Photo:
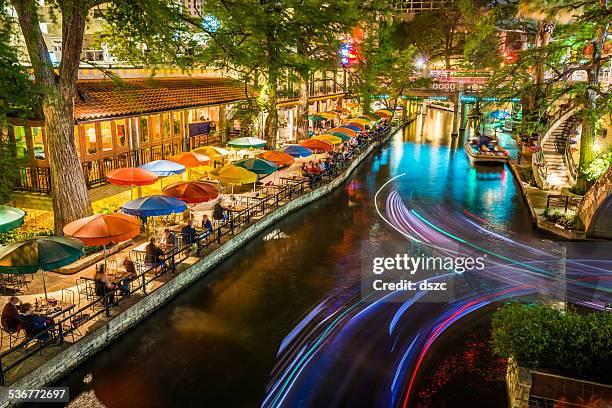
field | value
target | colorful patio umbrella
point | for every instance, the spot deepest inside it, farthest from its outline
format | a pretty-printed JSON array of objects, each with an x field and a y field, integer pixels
[
  {"x": 164, "y": 168},
  {"x": 277, "y": 157},
  {"x": 500, "y": 114},
  {"x": 327, "y": 115},
  {"x": 385, "y": 113},
  {"x": 335, "y": 140},
  {"x": 317, "y": 145},
  {"x": 354, "y": 125},
  {"x": 361, "y": 121},
  {"x": 247, "y": 142},
  {"x": 343, "y": 136},
  {"x": 131, "y": 176},
  {"x": 154, "y": 205},
  {"x": 44, "y": 254},
  {"x": 316, "y": 118},
  {"x": 190, "y": 159},
  {"x": 214, "y": 152},
  {"x": 10, "y": 218},
  {"x": 297, "y": 151},
  {"x": 192, "y": 192},
  {"x": 257, "y": 166},
  {"x": 104, "y": 229},
  {"x": 236, "y": 175},
  {"x": 343, "y": 130}
]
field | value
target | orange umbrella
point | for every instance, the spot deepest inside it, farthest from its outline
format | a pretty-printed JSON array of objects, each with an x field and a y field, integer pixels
[
  {"x": 279, "y": 158},
  {"x": 190, "y": 159},
  {"x": 103, "y": 229},
  {"x": 346, "y": 131},
  {"x": 317, "y": 145},
  {"x": 131, "y": 176},
  {"x": 192, "y": 191}
]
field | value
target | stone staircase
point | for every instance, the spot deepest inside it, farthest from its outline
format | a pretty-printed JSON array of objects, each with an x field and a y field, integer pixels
[{"x": 553, "y": 149}]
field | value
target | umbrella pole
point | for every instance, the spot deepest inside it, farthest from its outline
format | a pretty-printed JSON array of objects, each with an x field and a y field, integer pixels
[
  {"x": 44, "y": 283},
  {"x": 104, "y": 255}
]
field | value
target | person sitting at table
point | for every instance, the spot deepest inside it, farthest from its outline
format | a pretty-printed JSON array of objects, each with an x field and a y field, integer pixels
[
  {"x": 207, "y": 225},
  {"x": 11, "y": 321},
  {"x": 169, "y": 239},
  {"x": 189, "y": 233},
  {"x": 154, "y": 255},
  {"x": 218, "y": 212},
  {"x": 104, "y": 287},
  {"x": 130, "y": 269},
  {"x": 35, "y": 325}
]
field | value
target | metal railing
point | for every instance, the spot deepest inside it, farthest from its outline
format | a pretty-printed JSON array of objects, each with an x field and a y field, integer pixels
[
  {"x": 565, "y": 201},
  {"x": 69, "y": 323}
]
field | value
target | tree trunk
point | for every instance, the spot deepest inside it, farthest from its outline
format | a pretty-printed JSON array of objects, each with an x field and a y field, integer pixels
[
  {"x": 367, "y": 101},
  {"x": 302, "y": 112},
  {"x": 68, "y": 189},
  {"x": 271, "y": 126}
]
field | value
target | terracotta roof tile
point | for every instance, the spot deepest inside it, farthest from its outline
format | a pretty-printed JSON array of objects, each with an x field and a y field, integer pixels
[{"x": 99, "y": 99}]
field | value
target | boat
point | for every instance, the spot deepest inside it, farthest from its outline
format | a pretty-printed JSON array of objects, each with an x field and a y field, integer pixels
[{"x": 476, "y": 155}]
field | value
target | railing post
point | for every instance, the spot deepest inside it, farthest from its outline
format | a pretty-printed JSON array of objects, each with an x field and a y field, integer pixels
[
  {"x": 144, "y": 284},
  {"x": 60, "y": 334}
]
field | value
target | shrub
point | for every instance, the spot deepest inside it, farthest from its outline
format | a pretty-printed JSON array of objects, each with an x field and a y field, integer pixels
[{"x": 539, "y": 336}]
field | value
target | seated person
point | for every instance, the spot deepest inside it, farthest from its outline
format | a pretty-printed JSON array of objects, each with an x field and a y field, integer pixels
[
  {"x": 154, "y": 255},
  {"x": 104, "y": 287},
  {"x": 34, "y": 325},
  {"x": 218, "y": 212},
  {"x": 207, "y": 225},
  {"x": 130, "y": 268},
  {"x": 169, "y": 239},
  {"x": 189, "y": 233},
  {"x": 11, "y": 321}
]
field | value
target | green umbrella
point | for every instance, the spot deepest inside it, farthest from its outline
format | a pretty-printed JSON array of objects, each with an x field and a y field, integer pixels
[
  {"x": 316, "y": 118},
  {"x": 10, "y": 218},
  {"x": 257, "y": 166},
  {"x": 341, "y": 135},
  {"x": 44, "y": 253},
  {"x": 246, "y": 142}
]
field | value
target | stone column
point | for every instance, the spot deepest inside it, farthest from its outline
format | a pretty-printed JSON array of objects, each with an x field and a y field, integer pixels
[{"x": 222, "y": 125}]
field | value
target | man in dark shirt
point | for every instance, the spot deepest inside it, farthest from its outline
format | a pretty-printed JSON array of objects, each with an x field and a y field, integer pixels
[
  {"x": 154, "y": 253},
  {"x": 189, "y": 233},
  {"x": 11, "y": 320}
]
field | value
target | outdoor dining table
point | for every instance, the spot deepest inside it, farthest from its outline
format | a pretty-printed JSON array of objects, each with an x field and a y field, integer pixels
[
  {"x": 115, "y": 277},
  {"x": 51, "y": 311}
]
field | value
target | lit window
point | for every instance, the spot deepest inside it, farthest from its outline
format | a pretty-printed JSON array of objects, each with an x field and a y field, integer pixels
[
  {"x": 121, "y": 133},
  {"x": 107, "y": 136},
  {"x": 176, "y": 117},
  {"x": 21, "y": 146},
  {"x": 144, "y": 129},
  {"x": 91, "y": 144},
  {"x": 165, "y": 125},
  {"x": 38, "y": 143}
]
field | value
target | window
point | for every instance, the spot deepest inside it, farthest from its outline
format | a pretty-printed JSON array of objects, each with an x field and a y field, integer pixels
[
  {"x": 165, "y": 125},
  {"x": 38, "y": 143},
  {"x": 121, "y": 133},
  {"x": 154, "y": 125},
  {"x": 176, "y": 122},
  {"x": 21, "y": 146},
  {"x": 144, "y": 129},
  {"x": 106, "y": 135},
  {"x": 91, "y": 139}
]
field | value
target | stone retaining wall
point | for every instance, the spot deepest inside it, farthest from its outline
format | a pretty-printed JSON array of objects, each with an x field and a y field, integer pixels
[{"x": 60, "y": 364}]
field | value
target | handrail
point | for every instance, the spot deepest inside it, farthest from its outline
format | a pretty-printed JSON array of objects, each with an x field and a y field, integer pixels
[
  {"x": 65, "y": 326},
  {"x": 569, "y": 159}
]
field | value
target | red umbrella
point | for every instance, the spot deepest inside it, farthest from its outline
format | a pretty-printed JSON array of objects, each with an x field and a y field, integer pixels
[
  {"x": 279, "y": 158},
  {"x": 317, "y": 145},
  {"x": 131, "y": 176},
  {"x": 190, "y": 159},
  {"x": 103, "y": 229},
  {"x": 192, "y": 191}
]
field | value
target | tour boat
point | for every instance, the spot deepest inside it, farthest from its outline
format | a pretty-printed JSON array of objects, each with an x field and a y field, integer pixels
[{"x": 476, "y": 155}]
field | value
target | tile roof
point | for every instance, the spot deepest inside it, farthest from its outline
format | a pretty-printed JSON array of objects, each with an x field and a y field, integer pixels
[{"x": 104, "y": 98}]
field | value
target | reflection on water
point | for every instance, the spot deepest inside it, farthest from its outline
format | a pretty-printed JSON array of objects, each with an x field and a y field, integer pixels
[{"x": 217, "y": 343}]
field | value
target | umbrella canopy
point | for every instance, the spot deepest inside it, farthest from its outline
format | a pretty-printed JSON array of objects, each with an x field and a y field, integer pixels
[
  {"x": 154, "y": 205},
  {"x": 316, "y": 118},
  {"x": 236, "y": 175},
  {"x": 214, "y": 152},
  {"x": 131, "y": 176},
  {"x": 103, "y": 229},
  {"x": 277, "y": 157},
  {"x": 317, "y": 145},
  {"x": 257, "y": 166},
  {"x": 361, "y": 121},
  {"x": 356, "y": 126},
  {"x": 163, "y": 168},
  {"x": 343, "y": 136},
  {"x": 46, "y": 253},
  {"x": 297, "y": 151},
  {"x": 384, "y": 113},
  {"x": 345, "y": 131},
  {"x": 10, "y": 218},
  {"x": 335, "y": 140},
  {"x": 327, "y": 115},
  {"x": 190, "y": 159},
  {"x": 192, "y": 191},
  {"x": 500, "y": 114},
  {"x": 247, "y": 142}
]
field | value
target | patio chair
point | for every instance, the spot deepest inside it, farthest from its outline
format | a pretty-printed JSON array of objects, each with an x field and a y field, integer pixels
[
  {"x": 13, "y": 336},
  {"x": 74, "y": 324}
]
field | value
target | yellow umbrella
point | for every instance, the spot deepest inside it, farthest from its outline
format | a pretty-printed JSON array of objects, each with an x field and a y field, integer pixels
[
  {"x": 328, "y": 115},
  {"x": 215, "y": 153},
  {"x": 335, "y": 140},
  {"x": 235, "y": 175},
  {"x": 384, "y": 113},
  {"x": 361, "y": 121}
]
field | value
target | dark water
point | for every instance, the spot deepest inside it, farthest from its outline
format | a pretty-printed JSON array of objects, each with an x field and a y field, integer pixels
[{"x": 216, "y": 344}]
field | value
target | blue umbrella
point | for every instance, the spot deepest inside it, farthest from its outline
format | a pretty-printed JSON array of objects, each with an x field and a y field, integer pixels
[
  {"x": 297, "y": 151},
  {"x": 154, "y": 205},
  {"x": 352, "y": 127},
  {"x": 500, "y": 114},
  {"x": 164, "y": 167}
]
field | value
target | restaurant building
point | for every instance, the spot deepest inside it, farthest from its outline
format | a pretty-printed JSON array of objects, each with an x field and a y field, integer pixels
[{"x": 137, "y": 120}]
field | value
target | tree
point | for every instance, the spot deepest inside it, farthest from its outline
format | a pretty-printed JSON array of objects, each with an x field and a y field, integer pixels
[{"x": 152, "y": 18}]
